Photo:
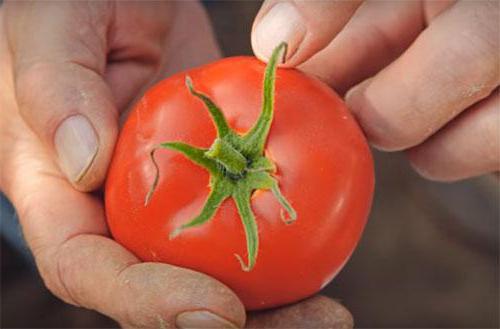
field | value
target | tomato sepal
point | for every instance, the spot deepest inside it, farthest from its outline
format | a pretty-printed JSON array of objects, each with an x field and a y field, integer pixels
[
  {"x": 219, "y": 192},
  {"x": 237, "y": 165}
]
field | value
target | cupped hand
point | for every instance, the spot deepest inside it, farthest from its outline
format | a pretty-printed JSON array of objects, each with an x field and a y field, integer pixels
[
  {"x": 420, "y": 76},
  {"x": 53, "y": 72}
]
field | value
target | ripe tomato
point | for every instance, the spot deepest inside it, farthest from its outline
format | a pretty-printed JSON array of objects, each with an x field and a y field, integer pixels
[{"x": 323, "y": 166}]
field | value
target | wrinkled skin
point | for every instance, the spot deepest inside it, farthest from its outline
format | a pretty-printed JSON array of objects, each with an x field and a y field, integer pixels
[{"x": 324, "y": 168}]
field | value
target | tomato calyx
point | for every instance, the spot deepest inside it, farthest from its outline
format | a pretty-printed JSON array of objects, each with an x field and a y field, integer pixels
[{"x": 237, "y": 164}]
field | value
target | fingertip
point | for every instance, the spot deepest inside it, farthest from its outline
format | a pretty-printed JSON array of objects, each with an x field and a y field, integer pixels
[
  {"x": 306, "y": 26},
  {"x": 76, "y": 144},
  {"x": 73, "y": 112},
  {"x": 180, "y": 297},
  {"x": 84, "y": 150},
  {"x": 282, "y": 22},
  {"x": 93, "y": 174}
]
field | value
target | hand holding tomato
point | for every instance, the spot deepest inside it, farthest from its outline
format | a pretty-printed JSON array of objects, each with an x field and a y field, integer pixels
[
  {"x": 420, "y": 76},
  {"x": 65, "y": 228}
]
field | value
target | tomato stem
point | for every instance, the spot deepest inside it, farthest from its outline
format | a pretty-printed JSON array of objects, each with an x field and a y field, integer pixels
[
  {"x": 237, "y": 164},
  {"x": 232, "y": 160},
  {"x": 255, "y": 139}
]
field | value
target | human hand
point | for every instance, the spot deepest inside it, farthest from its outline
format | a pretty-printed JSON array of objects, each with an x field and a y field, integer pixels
[
  {"x": 78, "y": 65},
  {"x": 420, "y": 76},
  {"x": 66, "y": 229}
]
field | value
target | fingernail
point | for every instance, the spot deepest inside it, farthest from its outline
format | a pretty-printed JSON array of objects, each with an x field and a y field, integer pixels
[
  {"x": 201, "y": 319},
  {"x": 76, "y": 146},
  {"x": 282, "y": 23}
]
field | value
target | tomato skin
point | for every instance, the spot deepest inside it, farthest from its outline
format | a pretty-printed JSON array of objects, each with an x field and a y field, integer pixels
[{"x": 324, "y": 166}]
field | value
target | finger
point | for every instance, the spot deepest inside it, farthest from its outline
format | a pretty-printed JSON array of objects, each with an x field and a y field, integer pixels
[
  {"x": 315, "y": 312},
  {"x": 59, "y": 84},
  {"x": 468, "y": 146},
  {"x": 453, "y": 64},
  {"x": 378, "y": 32},
  {"x": 306, "y": 26}
]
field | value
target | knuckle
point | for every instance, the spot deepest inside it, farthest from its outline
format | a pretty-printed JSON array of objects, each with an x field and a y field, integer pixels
[
  {"x": 55, "y": 272},
  {"x": 55, "y": 284},
  {"x": 50, "y": 269},
  {"x": 70, "y": 286},
  {"x": 42, "y": 254}
]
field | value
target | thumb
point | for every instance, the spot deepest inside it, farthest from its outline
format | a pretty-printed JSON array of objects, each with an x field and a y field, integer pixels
[
  {"x": 307, "y": 27},
  {"x": 59, "y": 56}
]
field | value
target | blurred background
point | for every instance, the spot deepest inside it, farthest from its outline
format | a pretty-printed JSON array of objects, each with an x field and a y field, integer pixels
[{"x": 429, "y": 256}]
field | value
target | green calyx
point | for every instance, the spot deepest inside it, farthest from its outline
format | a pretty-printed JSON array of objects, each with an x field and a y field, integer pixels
[{"x": 237, "y": 164}]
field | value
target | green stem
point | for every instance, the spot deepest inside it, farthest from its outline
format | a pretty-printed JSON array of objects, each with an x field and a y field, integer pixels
[
  {"x": 228, "y": 156},
  {"x": 242, "y": 199},
  {"x": 256, "y": 138}
]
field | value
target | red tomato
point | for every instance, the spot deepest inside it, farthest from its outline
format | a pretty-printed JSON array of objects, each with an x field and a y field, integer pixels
[{"x": 324, "y": 168}]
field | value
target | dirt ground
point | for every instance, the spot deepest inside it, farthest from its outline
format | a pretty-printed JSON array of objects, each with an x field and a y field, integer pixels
[{"x": 429, "y": 256}]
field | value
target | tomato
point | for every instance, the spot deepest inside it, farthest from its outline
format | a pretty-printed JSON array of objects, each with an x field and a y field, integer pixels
[{"x": 322, "y": 164}]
